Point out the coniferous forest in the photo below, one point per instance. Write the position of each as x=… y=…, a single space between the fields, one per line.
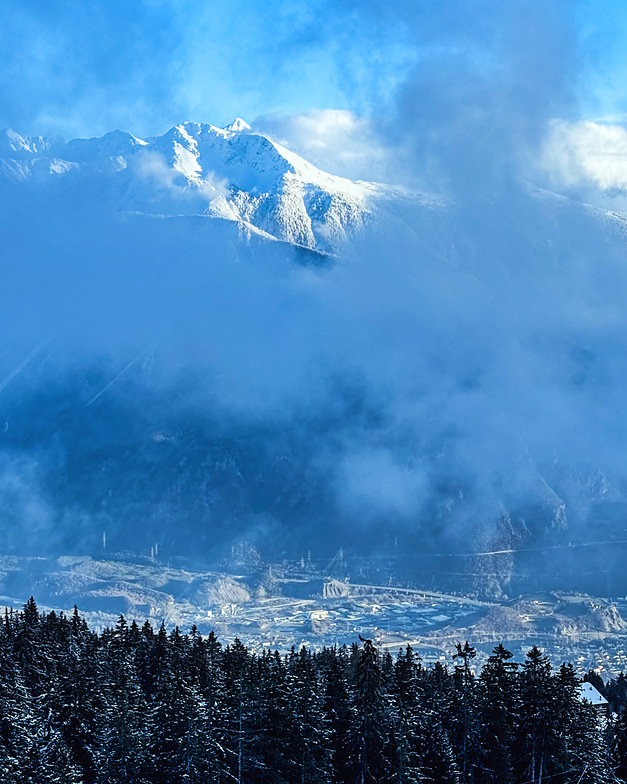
x=135 y=705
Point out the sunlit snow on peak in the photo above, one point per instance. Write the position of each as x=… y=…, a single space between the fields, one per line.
x=237 y=125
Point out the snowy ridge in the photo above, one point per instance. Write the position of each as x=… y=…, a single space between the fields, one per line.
x=231 y=173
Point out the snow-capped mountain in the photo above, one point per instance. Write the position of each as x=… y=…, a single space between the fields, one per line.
x=230 y=173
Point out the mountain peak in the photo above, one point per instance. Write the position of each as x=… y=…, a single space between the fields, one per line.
x=12 y=142
x=237 y=125
x=230 y=173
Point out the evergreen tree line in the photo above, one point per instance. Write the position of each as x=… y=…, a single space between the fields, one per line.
x=138 y=706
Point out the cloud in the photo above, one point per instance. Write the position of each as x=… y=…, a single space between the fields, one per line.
x=168 y=182
x=334 y=140
x=586 y=154
x=372 y=483
x=473 y=89
x=475 y=107
x=148 y=65
x=70 y=67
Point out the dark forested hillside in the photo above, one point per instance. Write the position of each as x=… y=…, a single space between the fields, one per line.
x=135 y=705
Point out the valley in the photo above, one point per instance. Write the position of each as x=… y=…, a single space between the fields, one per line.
x=270 y=606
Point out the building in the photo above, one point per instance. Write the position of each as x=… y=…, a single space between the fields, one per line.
x=588 y=693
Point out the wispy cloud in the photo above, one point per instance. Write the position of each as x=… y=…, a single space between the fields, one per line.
x=337 y=141
x=584 y=154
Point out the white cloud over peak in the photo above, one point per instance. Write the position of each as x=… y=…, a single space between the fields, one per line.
x=335 y=140
x=585 y=154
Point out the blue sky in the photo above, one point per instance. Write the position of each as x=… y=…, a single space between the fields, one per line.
x=85 y=68
x=603 y=41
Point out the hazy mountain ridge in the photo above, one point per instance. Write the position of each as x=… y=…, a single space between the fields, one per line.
x=146 y=473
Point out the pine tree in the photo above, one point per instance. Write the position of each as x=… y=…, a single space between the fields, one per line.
x=236 y=664
x=124 y=731
x=616 y=693
x=582 y=742
x=273 y=724
x=534 y=749
x=29 y=649
x=177 y=720
x=620 y=745
x=18 y=721
x=498 y=712
x=309 y=726
x=206 y=667
x=439 y=763
x=78 y=702
x=337 y=705
x=370 y=719
x=463 y=729
x=408 y=730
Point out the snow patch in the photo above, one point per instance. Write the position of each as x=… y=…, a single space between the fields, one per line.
x=237 y=126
